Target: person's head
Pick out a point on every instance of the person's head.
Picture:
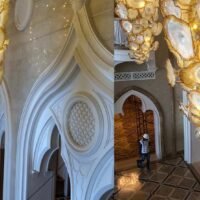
(146, 136)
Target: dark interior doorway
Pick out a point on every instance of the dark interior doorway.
(62, 181)
(57, 166)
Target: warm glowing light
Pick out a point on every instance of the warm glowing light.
(4, 7)
(135, 3)
(194, 26)
(182, 31)
(129, 179)
(139, 19)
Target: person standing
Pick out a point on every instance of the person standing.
(145, 153)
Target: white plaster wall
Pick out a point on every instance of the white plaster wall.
(29, 53)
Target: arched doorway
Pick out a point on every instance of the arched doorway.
(51, 181)
(7, 148)
(146, 106)
(130, 127)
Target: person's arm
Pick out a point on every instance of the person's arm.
(141, 141)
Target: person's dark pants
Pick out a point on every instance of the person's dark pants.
(146, 156)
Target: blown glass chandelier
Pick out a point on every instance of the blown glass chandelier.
(4, 8)
(139, 19)
(182, 33)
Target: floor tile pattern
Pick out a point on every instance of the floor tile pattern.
(167, 180)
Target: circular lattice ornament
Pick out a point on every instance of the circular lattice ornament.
(81, 124)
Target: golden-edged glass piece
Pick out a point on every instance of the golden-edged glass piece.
(140, 22)
(194, 99)
(190, 76)
(135, 3)
(121, 11)
(169, 8)
(179, 35)
(182, 33)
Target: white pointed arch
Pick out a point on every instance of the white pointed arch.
(147, 104)
(45, 141)
(6, 134)
(90, 52)
(53, 84)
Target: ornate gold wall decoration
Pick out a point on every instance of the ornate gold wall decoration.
(4, 8)
(182, 33)
(139, 19)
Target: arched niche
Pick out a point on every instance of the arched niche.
(48, 166)
(147, 104)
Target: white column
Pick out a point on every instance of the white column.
(187, 133)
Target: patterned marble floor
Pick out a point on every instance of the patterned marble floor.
(168, 180)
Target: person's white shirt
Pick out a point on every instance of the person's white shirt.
(145, 146)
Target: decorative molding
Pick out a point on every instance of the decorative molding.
(103, 171)
(9, 172)
(23, 13)
(87, 35)
(43, 144)
(51, 95)
(102, 116)
(108, 113)
(92, 104)
(147, 104)
(96, 55)
(133, 76)
(83, 162)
